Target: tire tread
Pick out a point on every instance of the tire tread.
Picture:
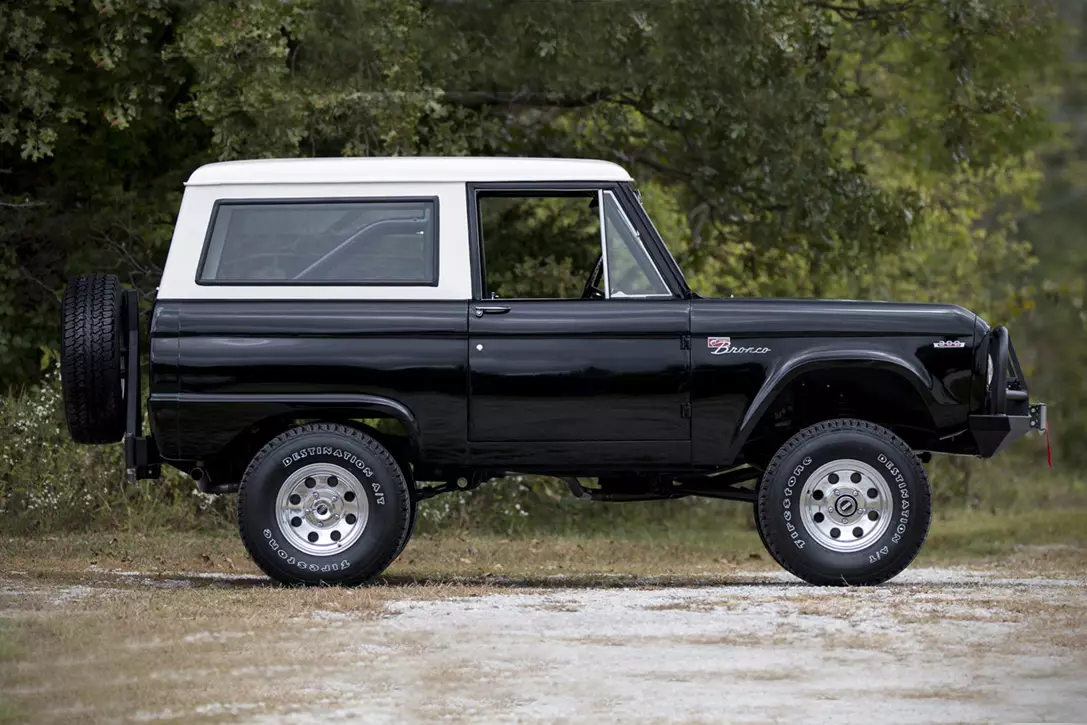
(90, 360)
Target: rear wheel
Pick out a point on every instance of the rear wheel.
(844, 502)
(90, 359)
(323, 504)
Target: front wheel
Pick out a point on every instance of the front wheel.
(844, 502)
(323, 504)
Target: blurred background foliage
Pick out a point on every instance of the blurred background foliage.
(930, 150)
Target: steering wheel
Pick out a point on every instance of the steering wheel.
(591, 290)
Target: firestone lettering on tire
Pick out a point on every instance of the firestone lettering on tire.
(787, 503)
(301, 563)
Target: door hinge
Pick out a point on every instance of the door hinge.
(684, 410)
(685, 342)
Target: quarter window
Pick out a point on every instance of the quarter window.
(631, 273)
(357, 242)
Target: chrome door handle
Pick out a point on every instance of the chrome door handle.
(491, 310)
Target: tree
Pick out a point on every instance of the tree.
(1054, 346)
(91, 156)
(799, 147)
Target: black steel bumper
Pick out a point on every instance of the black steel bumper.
(1009, 415)
(994, 433)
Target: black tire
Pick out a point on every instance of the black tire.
(796, 545)
(759, 531)
(90, 359)
(328, 446)
(411, 525)
(409, 475)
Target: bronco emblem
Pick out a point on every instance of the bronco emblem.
(723, 346)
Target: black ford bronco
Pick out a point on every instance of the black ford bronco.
(305, 301)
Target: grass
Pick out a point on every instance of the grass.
(1051, 540)
(660, 548)
(11, 653)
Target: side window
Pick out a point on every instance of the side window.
(576, 244)
(350, 242)
(631, 272)
(538, 246)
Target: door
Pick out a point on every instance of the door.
(597, 379)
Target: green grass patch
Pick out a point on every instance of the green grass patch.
(8, 649)
(972, 534)
(668, 545)
(10, 714)
(12, 651)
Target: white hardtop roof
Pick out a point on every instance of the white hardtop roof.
(390, 169)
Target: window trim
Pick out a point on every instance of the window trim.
(606, 274)
(265, 201)
(638, 239)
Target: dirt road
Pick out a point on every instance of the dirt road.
(936, 645)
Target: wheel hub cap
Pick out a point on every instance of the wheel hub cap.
(846, 505)
(322, 509)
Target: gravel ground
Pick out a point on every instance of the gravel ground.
(935, 645)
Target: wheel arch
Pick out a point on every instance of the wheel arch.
(260, 418)
(868, 384)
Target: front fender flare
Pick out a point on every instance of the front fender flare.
(822, 358)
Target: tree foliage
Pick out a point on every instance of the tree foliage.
(1054, 348)
(871, 148)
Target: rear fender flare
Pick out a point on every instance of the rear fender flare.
(328, 406)
(356, 406)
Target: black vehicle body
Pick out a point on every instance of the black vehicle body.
(327, 343)
(654, 389)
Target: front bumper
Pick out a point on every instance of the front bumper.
(1009, 413)
(994, 433)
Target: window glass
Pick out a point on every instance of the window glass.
(631, 273)
(667, 249)
(348, 242)
(538, 247)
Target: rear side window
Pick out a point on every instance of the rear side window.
(356, 242)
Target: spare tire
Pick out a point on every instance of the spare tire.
(90, 359)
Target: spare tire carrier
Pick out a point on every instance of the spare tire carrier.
(142, 458)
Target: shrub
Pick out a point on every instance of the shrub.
(49, 483)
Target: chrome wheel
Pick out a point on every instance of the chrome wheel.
(322, 509)
(846, 505)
